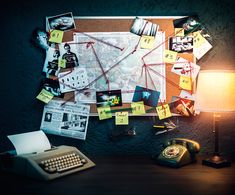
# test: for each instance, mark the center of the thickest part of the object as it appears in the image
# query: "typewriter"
(48, 165)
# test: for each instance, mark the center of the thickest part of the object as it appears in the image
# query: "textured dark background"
(21, 66)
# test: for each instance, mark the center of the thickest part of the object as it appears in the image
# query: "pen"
(159, 126)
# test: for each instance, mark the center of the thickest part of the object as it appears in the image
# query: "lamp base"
(216, 162)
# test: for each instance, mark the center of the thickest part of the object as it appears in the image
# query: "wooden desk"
(129, 175)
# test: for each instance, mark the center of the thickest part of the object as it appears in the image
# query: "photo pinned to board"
(51, 67)
(53, 87)
(69, 52)
(109, 98)
(181, 44)
(182, 106)
(144, 27)
(62, 22)
(148, 96)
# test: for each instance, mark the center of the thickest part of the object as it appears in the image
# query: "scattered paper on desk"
(185, 82)
(163, 111)
(183, 67)
(104, 112)
(179, 32)
(121, 118)
(71, 81)
(45, 96)
(31, 142)
(170, 56)
(138, 108)
(201, 47)
(62, 63)
(56, 36)
(146, 42)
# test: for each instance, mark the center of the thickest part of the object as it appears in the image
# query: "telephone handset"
(178, 152)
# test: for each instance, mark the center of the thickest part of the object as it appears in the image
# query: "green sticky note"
(138, 108)
(104, 112)
(56, 36)
(62, 63)
(163, 111)
(45, 96)
(121, 118)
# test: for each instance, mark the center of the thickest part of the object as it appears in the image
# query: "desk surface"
(129, 175)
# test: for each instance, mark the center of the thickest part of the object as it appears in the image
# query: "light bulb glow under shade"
(215, 91)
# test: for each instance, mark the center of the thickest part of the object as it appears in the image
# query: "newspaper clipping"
(70, 119)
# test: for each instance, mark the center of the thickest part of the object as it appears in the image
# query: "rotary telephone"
(178, 152)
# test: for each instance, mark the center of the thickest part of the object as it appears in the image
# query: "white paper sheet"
(31, 142)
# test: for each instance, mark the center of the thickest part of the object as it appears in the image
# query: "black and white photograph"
(69, 52)
(51, 67)
(181, 44)
(62, 22)
(74, 122)
(144, 27)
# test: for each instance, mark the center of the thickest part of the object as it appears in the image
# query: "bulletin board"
(123, 24)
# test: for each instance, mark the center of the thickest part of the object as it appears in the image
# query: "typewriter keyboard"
(62, 163)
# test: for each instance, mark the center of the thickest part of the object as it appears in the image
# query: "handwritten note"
(170, 56)
(163, 111)
(45, 96)
(146, 42)
(104, 112)
(185, 83)
(179, 32)
(56, 36)
(62, 63)
(198, 39)
(138, 108)
(121, 118)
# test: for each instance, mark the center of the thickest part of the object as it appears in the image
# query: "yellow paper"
(146, 42)
(121, 118)
(163, 111)
(185, 82)
(62, 63)
(104, 112)
(170, 56)
(45, 96)
(198, 39)
(138, 108)
(179, 32)
(56, 36)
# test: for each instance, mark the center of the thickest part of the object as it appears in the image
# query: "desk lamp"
(216, 93)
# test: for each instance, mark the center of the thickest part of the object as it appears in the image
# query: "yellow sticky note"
(56, 36)
(185, 82)
(170, 56)
(104, 112)
(121, 118)
(179, 32)
(62, 63)
(198, 39)
(163, 111)
(146, 42)
(138, 108)
(45, 96)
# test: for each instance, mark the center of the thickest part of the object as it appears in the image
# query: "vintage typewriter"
(50, 164)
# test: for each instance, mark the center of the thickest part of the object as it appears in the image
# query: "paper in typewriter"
(70, 119)
(25, 143)
(126, 75)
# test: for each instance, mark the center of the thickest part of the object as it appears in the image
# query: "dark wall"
(21, 66)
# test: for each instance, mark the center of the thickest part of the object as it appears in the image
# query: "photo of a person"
(70, 57)
(48, 117)
(53, 65)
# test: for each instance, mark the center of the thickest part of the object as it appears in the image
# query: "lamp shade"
(215, 91)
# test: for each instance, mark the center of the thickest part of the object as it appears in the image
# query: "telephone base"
(216, 162)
